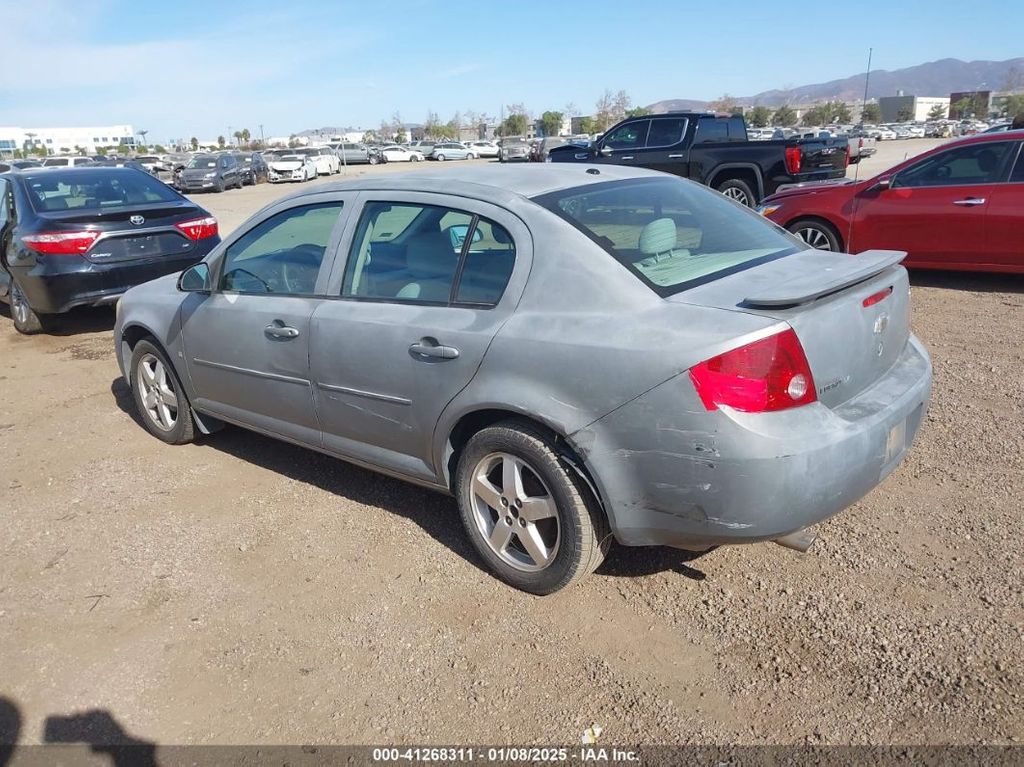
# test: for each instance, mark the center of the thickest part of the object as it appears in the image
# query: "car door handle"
(970, 201)
(674, 156)
(627, 157)
(280, 330)
(430, 348)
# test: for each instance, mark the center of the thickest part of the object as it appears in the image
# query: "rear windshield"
(104, 188)
(670, 233)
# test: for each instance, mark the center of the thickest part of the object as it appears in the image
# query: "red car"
(958, 206)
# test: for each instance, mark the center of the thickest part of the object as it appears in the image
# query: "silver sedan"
(578, 355)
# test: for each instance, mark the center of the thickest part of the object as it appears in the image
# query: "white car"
(916, 131)
(397, 153)
(67, 162)
(291, 167)
(884, 134)
(483, 148)
(324, 158)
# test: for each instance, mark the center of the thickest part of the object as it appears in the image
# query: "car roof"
(489, 181)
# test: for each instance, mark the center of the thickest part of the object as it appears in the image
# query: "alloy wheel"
(734, 193)
(814, 237)
(19, 305)
(515, 512)
(159, 400)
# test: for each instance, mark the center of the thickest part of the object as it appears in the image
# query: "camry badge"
(137, 220)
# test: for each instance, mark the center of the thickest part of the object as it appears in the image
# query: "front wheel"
(414, 158)
(817, 234)
(440, 158)
(159, 397)
(25, 319)
(738, 190)
(373, 160)
(529, 515)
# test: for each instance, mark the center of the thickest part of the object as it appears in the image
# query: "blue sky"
(178, 70)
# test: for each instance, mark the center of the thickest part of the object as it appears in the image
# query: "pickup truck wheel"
(738, 190)
(529, 515)
(817, 234)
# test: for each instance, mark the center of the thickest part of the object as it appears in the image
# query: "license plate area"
(895, 442)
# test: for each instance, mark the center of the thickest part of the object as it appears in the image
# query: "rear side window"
(427, 254)
(962, 166)
(99, 188)
(669, 233)
(666, 132)
(712, 130)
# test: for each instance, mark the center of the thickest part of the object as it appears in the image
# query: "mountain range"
(935, 78)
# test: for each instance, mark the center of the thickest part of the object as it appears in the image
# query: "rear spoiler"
(815, 284)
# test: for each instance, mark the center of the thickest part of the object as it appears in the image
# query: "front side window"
(961, 166)
(629, 136)
(1017, 177)
(425, 254)
(283, 254)
(670, 233)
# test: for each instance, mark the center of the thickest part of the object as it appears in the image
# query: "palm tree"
(238, 137)
(221, 141)
(194, 142)
(246, 135)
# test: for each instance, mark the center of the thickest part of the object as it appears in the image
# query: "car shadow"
(435, 513)
(83, 319)
(96, 728)
(979, 282)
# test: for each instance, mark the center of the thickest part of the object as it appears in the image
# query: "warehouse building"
(902, 108)
(64, 140)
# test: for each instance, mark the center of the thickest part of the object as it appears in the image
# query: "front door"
(424, 290)
(247, 342)
(934, 209)
(623, 145)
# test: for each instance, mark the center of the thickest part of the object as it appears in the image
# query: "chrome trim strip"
(249, 372)
(368, 394)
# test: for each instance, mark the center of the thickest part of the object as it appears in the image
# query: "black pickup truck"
(714, 151)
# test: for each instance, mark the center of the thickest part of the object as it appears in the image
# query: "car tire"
(25, 319)
(818, 234)
(156, 390)
(739, 191)
(219, 186)
(414, 158)
(470, 156)
(569, 533)
(440, 158)
(372, 160)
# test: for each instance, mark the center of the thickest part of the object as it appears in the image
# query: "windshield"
(104, 188)
(670, 233)
(202, 161)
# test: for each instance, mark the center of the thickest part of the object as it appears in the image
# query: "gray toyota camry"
(576, 354)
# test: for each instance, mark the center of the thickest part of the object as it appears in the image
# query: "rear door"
(664, 148)
(1005, 220)
(935, 209)
(425, 287)
(247, 342)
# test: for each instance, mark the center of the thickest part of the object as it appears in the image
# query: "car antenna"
(856, 171)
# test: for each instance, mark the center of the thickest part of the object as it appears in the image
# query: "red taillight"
(874, 298)
(793, 158)
(198, 228)
(60, 243)
(766, 375)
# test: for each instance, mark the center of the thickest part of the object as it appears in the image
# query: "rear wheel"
(440, 158)
(531, 518)
(25, 319)
(738, 190)
(817, 234)
(159, 397)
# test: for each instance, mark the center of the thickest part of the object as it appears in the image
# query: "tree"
(370, 137)
(962, 108)
(784, 116)
(604, 111)
(638, 112)
(759, 116)
(400, 137)
(79, 150)
(588, 125)
(101, 151)
(515, 125)
(1014, 105)
(159, 149)
(551, 123)
(194, 143)
(431, 125)
(871, 113)
(571, 110)
(246, 136)
(221, 142)
(724, 104)
(840, 112)
(238, 137)
(937, 112)
(904, 115)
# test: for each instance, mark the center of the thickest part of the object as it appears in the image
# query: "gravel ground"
(242, 590)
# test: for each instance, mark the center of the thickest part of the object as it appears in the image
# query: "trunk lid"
(126, 240)
(851, 313)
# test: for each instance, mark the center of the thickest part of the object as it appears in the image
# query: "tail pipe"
(800, 541)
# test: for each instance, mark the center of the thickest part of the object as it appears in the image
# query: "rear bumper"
(56, 284)
(672, 475)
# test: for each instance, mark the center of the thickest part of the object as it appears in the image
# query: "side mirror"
(882, 184)
(604, 151)
(195, 279)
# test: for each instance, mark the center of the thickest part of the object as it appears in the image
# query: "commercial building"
(900, 108)
(65, 140)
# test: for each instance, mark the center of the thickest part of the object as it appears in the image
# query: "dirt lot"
(242, 590)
